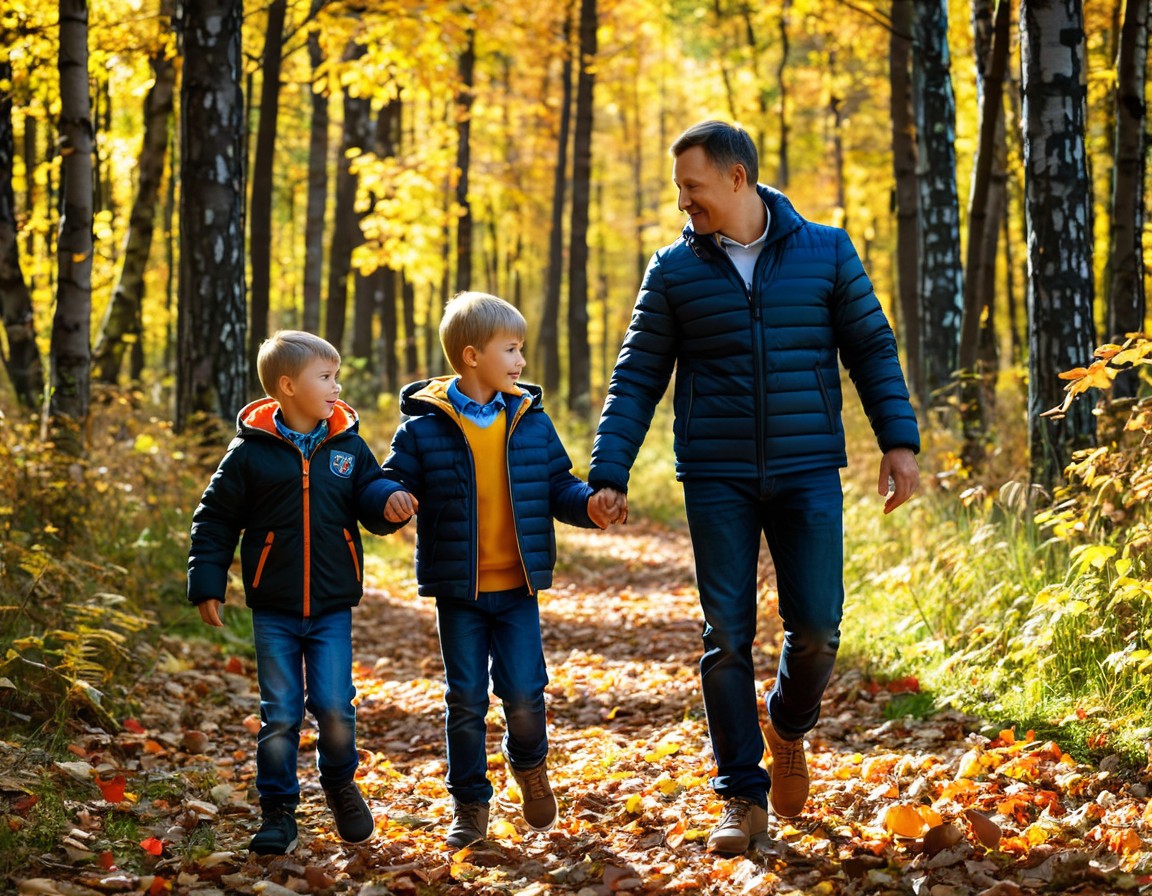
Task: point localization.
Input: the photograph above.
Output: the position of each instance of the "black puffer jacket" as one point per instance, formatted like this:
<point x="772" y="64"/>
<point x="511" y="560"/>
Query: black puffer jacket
<point x="430" y="458"/>
<point x="301" y="551"/>
<point x="757" y="377"/>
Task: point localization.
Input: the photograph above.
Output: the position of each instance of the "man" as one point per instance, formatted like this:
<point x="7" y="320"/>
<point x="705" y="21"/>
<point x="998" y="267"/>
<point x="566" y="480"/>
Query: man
<point x="752" y="307"/>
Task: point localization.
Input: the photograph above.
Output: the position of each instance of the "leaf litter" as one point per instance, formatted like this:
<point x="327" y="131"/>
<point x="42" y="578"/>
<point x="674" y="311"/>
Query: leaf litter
<point x="927" y="807"/>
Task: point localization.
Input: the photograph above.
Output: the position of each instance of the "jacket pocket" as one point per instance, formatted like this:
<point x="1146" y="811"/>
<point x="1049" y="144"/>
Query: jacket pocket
<point x="265" y="551"/>
<point x="689" y="399"/>
<point x="352" y="550"/>
<point x="826" y="399"/>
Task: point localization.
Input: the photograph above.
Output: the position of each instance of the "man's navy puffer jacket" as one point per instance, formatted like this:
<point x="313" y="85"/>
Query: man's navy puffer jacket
<point x="430" y="458"/>
<point x="757" y="389"/>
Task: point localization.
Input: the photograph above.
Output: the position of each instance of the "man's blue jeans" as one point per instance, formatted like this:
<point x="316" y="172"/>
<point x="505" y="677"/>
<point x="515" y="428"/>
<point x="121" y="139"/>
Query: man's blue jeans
<point x="303" y="664"/>
<point x="801" y="517"/>
<point x="502" y="627"/>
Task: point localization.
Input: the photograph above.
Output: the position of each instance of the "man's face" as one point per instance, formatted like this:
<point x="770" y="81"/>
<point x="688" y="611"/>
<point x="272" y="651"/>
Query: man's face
<point x="707" y="195"/>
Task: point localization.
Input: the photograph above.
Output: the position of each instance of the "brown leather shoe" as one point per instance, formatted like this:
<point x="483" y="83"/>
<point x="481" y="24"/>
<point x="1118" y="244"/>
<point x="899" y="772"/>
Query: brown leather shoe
<point x="469" y="824"/>
<point x="742" y="820"/>
<point x="789" y="773"/>
<point x="539" y="808"/>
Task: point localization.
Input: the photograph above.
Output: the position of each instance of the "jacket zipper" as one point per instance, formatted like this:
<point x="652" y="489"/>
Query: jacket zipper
<point x="307" y="541"/>
<point x="511" y="499"/>
<point x="352" y="550"/>
<point x="263" y="559"/>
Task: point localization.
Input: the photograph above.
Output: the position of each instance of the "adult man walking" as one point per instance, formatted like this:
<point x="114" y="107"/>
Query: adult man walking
<point x="752" y="307"/>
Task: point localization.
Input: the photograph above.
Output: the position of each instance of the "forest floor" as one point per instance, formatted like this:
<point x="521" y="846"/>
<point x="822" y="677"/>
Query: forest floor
<point x="899" y="804"/>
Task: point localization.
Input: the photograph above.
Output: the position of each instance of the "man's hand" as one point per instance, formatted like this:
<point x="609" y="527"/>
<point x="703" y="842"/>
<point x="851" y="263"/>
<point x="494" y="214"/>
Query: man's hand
<point x="899" y="470"/>
<point x="210" y="612"/>
<point x="401" y="507"/>
<point x="608" y="506"/>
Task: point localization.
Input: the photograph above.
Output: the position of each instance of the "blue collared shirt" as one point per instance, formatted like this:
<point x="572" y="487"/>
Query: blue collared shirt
<point x="483" y="415"/>
<point x="306" y="442"/>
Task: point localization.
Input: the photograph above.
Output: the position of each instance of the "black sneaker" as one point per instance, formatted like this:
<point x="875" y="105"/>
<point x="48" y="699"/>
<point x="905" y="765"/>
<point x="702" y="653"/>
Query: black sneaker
<point x="469" y="824"/>
<point x="354" y="821"/>
<point x="277" y="834"/>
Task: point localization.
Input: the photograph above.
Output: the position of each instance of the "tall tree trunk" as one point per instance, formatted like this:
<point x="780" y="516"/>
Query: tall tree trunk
<point x="1126" y="299"/>
<point x="408" y="302"/>
<point x="579" y="362"/>
<point x="70" y="348"/>
<point x="983" y="219"/>
<point x="22" y="361"/>
<point x="377" y="296"/>
<point x="317" y="187"/>
<point x="122" y="329"/>
<point x="907" y="196"/>
<point x="467" y="74"/>
<point x="211" y="352"/>
<point x="346" y="235"/>
<point x="783" y="172"/>
<point x="260" y="211"/>
<point x="1058" y="204"/>
<point x="549" y="335"/>
<point x="941" y="274"/>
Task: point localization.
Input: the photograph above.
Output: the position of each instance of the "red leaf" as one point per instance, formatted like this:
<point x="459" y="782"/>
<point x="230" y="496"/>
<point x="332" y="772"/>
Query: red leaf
<point x="107" y="860"/>
<point x="113" y="790"/>
<point x="152" y="845"/>
<point x="234" y="665"/>
<point x="159" y="885"/>
<point x="133" y="726"/>
<point x="26" y="802"/>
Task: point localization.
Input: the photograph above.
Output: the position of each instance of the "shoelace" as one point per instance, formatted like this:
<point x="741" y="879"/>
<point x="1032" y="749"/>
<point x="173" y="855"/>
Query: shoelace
<point x="790" y="757"/>
<point x="534" y="783"/>
<point x="345" y="799"/>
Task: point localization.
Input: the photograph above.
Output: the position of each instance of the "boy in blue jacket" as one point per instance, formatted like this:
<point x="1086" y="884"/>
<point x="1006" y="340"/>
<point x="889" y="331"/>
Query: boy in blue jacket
<point x="481" y="461"/>
<point x="294" y="482"/>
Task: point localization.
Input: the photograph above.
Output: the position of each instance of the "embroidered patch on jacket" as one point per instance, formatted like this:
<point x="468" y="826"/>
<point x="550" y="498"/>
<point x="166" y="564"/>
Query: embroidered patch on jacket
<point x="342" y="464"/>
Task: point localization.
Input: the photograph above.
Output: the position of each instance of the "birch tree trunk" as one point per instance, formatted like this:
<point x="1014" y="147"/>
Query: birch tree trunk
<point x="579" y="360"/>
<point x="1058" y="207"/>
<point x="22" y="360"/>
<point x="211" y="362"/>
<point x="122" y="329"/>
<point x="70" y="348"/>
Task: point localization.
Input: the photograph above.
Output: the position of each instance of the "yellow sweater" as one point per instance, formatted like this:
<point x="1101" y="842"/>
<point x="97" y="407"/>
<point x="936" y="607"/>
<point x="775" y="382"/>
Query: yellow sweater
<point x="500" y="566"/>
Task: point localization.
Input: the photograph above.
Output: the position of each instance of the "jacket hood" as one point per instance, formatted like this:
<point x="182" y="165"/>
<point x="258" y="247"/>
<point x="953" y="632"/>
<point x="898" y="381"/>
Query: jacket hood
<point x="422" y="396"/>
<point x="784" y="219"/>
<point x="259" y="416"/>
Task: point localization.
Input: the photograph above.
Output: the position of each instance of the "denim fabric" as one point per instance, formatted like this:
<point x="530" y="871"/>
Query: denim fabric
<point x="801" y="518"/>
<point x="497" y="634"/>
<point x="304" y="664"/>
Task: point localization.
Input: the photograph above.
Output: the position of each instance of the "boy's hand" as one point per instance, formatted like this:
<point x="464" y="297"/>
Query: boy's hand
<point x="608" y="506"/>
<point x="210" y="612"/>
<point x="400" y="507"/>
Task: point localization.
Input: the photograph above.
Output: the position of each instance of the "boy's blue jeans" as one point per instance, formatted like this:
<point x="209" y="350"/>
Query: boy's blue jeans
<point x="801" y="517"/>
<point x="303" y="664"/>
<point x="500" y="629"/>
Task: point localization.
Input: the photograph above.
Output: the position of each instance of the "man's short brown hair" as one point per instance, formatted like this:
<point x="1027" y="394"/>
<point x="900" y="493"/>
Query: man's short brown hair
<point x="725" y="145"/>
<point x="286" y="353"/>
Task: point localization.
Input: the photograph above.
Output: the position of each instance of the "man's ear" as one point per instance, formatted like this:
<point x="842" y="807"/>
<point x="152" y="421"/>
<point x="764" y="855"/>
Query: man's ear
<point x="470" y="355"/>
<point x="739" y="177"/>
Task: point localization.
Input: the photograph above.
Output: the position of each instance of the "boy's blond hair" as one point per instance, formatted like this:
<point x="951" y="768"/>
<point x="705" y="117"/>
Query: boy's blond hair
<point x="474" y="318"/>
<point x="286" y="353"/>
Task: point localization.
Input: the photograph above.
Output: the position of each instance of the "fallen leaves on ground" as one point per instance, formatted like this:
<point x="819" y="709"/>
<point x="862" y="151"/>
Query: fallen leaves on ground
<point x="926" y="807"/>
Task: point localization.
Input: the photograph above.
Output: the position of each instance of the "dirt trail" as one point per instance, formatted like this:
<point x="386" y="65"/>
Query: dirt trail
<point x="630" y="763"/>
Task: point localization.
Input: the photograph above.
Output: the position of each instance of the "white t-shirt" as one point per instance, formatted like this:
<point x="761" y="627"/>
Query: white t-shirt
<point x="744" y="255"/>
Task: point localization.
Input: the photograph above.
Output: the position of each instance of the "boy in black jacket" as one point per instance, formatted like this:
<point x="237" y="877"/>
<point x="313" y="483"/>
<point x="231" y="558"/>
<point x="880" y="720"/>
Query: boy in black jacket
<point x="295" y="481"/>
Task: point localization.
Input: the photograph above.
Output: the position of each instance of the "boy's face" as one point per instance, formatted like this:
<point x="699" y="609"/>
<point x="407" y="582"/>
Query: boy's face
<point x="310" y="396"/>
<point x="496" y="367"/>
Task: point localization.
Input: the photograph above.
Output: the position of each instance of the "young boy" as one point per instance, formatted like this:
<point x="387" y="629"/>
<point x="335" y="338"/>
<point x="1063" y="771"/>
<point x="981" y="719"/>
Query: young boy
<point x="294" y="481"/>
<point x="482" y="462"/>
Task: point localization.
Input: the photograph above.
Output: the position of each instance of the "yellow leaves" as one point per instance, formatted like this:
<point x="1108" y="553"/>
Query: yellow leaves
<point x="904" y="820"/>
<point x="664" y="748"/>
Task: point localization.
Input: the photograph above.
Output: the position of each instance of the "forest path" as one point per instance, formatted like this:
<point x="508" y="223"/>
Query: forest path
<point x="629" y="761"/>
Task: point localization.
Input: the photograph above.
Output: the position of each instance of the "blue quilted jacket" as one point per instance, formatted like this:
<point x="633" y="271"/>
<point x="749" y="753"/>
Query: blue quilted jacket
<point x="757" y="389"/>
<point x="430" y="458"/>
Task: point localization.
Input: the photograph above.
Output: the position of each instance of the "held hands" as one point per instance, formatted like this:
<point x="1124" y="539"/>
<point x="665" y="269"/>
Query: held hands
<point x="210" y="612"/>
<point x="400" y="507"/>
<point x="898" y="468"/>
<point x="608" y="506"/>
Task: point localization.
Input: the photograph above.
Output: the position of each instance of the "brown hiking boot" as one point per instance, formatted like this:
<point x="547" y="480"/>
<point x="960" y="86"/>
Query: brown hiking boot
<point x="742" y="820"/>
<point x="469" y="824"/>
<point x="789" y="773"/>
<point x="540" y="809"/>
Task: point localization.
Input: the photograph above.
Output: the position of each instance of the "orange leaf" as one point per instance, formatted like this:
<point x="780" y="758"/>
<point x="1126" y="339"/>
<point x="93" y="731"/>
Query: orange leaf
<point x="133" y="726"/>
<point x="234" y="665"/>
<point x="107" y="860"/>
<point x="159" y="885"/>
<point x="904" y="820"/>
<point x="1074" y="374"/>
<point x="113" y="790"/>
<point x="152" y="845"/>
